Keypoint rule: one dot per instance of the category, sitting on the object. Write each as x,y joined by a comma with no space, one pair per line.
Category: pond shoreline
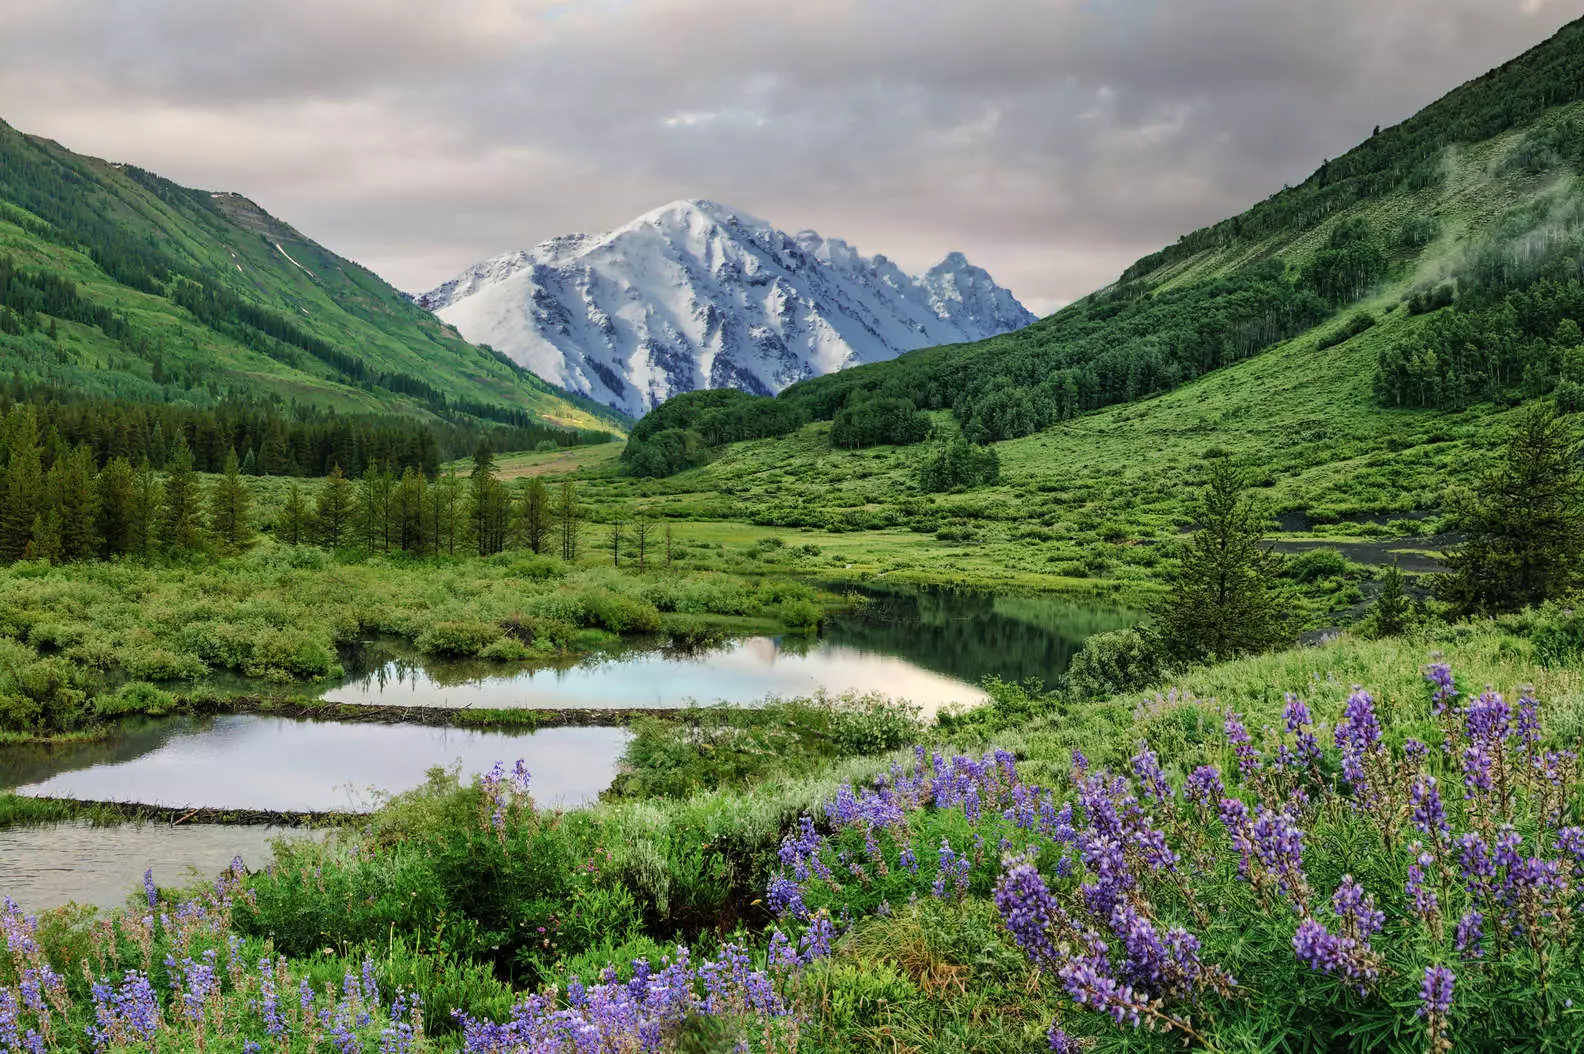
105,813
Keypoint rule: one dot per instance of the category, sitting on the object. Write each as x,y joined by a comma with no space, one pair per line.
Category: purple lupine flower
1356,909
1426,905
1435,994
149,890
1488,718
1090,984
1277,842
1061,1042
1203,787
1238,738
1476,769
1028,909
1444,691
1428,814
1146,766
1414,750
784,897
1528,719
1470,935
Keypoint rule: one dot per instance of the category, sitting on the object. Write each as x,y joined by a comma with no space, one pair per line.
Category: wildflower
1444,691
1204,786
1428,814
1435,1003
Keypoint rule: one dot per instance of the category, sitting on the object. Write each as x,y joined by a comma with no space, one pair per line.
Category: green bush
1123,660
135,697
620,613
458,638
147,663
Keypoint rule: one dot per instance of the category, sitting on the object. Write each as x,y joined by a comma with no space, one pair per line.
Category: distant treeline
268,442
59,502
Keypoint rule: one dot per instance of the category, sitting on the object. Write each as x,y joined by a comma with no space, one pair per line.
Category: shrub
1311,566
619,613
1123,660
458,638
135,697
161,664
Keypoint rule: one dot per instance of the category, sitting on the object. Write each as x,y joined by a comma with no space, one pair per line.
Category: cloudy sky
1053,141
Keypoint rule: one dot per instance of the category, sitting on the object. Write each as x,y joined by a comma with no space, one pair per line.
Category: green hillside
1355,343
116,283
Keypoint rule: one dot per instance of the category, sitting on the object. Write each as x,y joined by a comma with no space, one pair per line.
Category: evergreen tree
1523,524
489,505
333,509
446,518
24,484
69,491
230,508
145,510
533,515
116,486
569,521
1221,601
180,527
295,521
374,508
407,512
1389,617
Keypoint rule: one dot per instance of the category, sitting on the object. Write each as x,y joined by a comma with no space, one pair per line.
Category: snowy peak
696,294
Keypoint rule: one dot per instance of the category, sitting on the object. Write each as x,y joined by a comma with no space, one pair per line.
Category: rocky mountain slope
698,295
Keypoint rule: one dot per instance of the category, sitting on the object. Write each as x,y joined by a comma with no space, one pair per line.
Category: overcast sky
1053,141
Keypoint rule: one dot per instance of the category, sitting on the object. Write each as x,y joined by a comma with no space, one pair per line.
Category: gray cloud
1054,141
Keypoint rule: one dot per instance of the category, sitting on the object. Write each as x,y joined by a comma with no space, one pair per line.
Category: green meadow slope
129,286
1357,343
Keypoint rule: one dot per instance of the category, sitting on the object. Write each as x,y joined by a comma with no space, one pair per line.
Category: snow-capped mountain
698,295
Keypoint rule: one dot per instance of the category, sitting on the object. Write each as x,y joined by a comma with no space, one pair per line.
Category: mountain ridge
696,294
205,296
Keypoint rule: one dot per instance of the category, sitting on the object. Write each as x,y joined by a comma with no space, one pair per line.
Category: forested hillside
1465,223
116,284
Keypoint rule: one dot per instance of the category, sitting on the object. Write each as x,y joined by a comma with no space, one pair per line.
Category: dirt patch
1409,554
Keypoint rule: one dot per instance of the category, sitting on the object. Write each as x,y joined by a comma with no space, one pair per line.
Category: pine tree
116,486
145,510
24,484
569,521
333,509
446,499
407,512
180,527
373,510
489,504
293,526
1221,601
1389,617
533,515
1523,523
230,508
69,492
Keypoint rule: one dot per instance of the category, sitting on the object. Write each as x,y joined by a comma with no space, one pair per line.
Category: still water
927,647
47,866
251,762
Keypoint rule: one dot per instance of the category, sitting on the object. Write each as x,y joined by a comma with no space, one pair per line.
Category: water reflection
45,867
249,762
969,635
741,671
